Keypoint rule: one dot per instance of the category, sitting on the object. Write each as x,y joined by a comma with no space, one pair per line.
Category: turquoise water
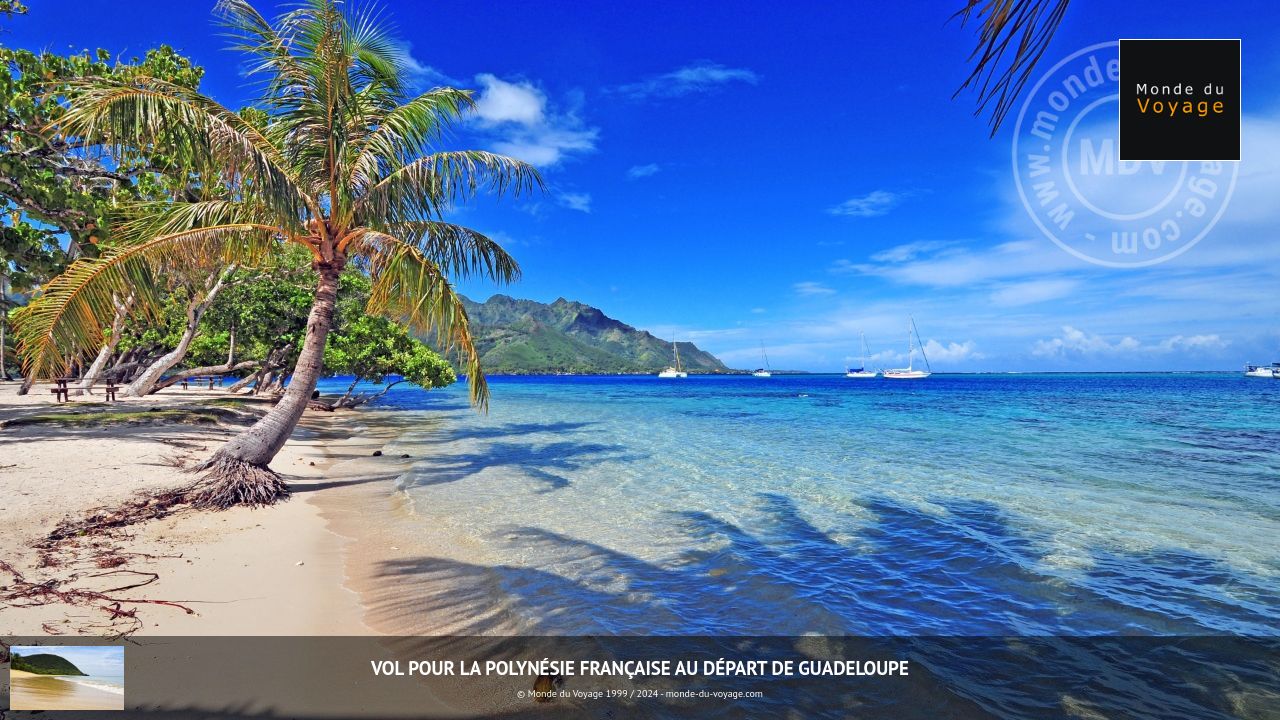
972,505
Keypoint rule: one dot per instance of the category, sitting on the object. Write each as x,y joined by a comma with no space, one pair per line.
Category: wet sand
28,691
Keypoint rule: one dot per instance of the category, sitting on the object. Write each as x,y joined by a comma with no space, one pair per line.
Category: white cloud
501,101
424,75
952,352
758,311
643,171
910,251
517,117
873,204
1194,342
1078,342
1031,292
696,77
944,265
575,201
810,288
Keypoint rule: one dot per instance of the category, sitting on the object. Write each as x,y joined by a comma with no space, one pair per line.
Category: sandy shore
270,571
28,691
314,566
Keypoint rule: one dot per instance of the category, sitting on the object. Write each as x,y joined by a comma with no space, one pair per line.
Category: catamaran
861,371
909,372
765,371
1263,371
676,371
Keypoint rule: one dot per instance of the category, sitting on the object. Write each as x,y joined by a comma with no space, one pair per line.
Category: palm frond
255,36
427,186
458,251
1013,37
142,221
145,113
66,320
409,288
406,132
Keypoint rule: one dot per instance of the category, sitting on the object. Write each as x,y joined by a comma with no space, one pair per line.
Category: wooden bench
60,389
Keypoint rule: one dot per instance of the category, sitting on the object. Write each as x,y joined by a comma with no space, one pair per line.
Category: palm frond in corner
1013,36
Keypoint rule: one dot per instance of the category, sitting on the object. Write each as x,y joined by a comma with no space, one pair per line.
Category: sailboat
909,372
766,370
676,371
861,371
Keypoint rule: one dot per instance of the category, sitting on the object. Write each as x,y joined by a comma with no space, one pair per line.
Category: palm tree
1013,35
336,157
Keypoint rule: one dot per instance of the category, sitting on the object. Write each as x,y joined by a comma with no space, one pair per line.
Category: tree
341,162
56,193
372,348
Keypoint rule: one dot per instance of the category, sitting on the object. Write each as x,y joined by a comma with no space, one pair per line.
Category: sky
732,173
91,659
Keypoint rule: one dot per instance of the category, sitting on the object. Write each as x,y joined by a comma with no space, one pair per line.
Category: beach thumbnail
66,677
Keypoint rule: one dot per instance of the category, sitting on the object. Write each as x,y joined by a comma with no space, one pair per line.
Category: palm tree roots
228,482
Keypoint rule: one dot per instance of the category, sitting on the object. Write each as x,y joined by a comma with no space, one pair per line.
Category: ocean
958,505
961,506
111,683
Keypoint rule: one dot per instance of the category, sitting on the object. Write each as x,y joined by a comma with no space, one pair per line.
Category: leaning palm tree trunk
238,471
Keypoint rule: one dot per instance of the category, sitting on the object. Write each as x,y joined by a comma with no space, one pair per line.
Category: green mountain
523,337
45,664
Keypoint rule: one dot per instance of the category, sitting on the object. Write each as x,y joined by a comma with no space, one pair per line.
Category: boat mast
764,356
676,348
863,337
921,344
911,348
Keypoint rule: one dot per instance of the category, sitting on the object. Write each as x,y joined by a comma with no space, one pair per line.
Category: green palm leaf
65,322
410,288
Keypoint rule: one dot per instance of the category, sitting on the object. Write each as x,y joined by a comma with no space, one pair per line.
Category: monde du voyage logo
1123,152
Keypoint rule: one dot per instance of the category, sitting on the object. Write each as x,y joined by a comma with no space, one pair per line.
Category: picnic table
63,393
200,380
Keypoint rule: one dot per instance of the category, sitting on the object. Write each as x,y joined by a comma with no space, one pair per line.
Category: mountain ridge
525,337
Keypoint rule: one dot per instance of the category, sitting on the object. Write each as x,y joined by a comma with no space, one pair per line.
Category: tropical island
245,395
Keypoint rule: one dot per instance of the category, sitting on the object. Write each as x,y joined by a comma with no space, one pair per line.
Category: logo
1082,196
1180,99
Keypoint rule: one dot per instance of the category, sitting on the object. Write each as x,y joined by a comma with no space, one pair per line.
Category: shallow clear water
956,505
110,683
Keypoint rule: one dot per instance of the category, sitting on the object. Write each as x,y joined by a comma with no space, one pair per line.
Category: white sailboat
861,371
1263,371
676,371
765,371
910,372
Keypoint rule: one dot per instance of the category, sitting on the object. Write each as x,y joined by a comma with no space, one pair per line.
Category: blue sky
92,660
747,171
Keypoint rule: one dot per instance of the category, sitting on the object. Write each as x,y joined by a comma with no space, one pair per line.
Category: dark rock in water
315,394
405,455
377,453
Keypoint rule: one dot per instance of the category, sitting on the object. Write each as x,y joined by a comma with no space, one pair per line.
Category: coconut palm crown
336,156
